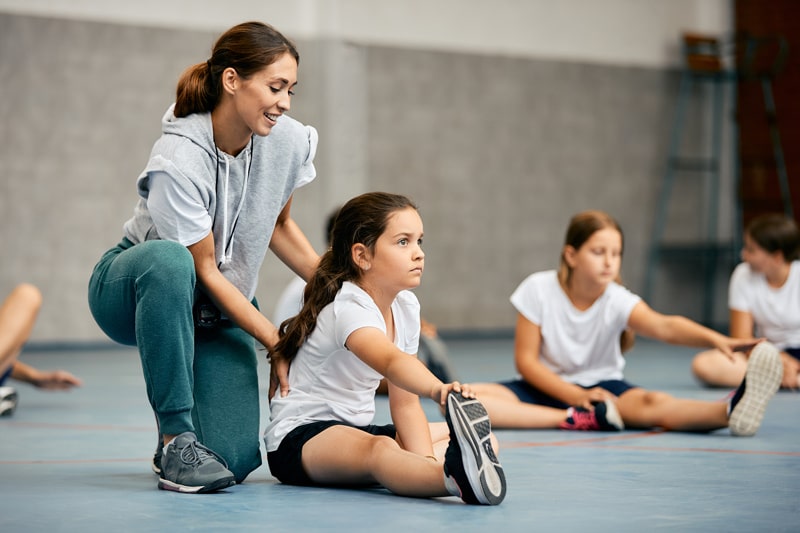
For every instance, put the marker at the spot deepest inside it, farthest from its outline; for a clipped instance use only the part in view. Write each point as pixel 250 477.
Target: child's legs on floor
pixel 641 408
pixel 343 455
pixel 507 411
pixel 713 368
pixel 17 317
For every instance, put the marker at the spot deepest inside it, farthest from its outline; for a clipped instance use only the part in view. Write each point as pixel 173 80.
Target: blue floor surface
pixel 79 461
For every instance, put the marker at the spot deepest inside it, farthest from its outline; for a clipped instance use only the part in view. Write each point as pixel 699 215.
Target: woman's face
pixel 266 95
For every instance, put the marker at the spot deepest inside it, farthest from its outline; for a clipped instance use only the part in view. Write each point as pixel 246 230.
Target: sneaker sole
pixel 8 401
pixel 222 483
pixel 763 378
pixel 613 417
pixel 472 427
pixel 155 464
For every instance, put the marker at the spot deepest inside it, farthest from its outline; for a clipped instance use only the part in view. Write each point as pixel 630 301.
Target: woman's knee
pixel 168 260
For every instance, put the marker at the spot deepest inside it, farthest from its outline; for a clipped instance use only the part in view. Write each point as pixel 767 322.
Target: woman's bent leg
pixel 143 294
pixel 226 401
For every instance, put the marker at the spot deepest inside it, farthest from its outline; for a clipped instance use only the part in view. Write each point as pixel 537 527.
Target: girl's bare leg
pixel 343 455
pixel 641 408
pixel 713 368
pixel 506 411
pixel 440 436
pixel 17 318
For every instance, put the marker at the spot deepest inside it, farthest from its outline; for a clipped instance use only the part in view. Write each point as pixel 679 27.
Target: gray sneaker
pixel 158 455
pixel 8 401
pixel 188 466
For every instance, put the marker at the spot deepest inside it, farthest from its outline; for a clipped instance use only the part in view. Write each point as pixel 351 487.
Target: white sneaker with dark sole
pixel 8 401
pixel 761 381
pixel 470 459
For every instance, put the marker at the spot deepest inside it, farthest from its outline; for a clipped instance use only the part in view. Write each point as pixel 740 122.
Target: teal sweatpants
pixel 198 379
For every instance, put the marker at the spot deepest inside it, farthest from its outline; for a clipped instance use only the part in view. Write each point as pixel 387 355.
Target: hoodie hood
pixel 239 198
pixel 197 128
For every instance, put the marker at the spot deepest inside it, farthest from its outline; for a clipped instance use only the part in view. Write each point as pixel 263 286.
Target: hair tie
pixel 208 64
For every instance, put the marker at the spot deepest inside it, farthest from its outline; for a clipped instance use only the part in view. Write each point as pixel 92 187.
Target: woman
pixel 215 194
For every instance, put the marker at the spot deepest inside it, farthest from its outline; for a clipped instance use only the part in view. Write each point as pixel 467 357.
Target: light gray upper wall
pixel 498 151
pixel 625 32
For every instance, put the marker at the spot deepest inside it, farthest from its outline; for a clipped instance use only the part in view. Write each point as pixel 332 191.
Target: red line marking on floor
pixel 72 461
pixel 599 442
pixel 608 438
pixel 98 427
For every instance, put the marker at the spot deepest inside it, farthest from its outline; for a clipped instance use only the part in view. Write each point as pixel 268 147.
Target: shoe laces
pixel 195 453
pixel 583 419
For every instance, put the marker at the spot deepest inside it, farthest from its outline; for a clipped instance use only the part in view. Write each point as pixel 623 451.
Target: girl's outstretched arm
pixel 372 346
pixel 675 329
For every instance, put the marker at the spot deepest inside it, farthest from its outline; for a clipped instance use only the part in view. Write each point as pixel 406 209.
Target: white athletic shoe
pixel 761 382
pixel 8 401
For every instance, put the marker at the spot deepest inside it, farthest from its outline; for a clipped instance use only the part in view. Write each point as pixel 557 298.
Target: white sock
pixel 451 486
pixel 169 443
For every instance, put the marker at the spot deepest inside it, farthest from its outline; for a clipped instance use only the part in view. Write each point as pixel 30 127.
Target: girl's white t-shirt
pixel 580 346
pixel 775 312
pixel 326 380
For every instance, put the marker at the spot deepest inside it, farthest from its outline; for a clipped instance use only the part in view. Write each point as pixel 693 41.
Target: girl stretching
pixel 358 324
pixel 763 295
pixel 568 337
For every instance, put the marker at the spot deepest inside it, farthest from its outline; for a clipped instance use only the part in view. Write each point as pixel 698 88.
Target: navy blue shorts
pixel 794 352
pixel 5 374
pixel 529 394
pixel 286 463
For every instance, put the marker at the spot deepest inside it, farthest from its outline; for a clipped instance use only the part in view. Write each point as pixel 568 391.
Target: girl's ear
pixel 230 80
pixel 569 255
pixel 361 256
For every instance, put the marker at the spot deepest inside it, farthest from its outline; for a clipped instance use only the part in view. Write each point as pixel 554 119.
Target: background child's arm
pixel 741 324
pixel 527 344
pixel 675 329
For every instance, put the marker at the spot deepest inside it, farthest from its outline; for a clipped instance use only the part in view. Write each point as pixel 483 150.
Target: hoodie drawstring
pixel 228 234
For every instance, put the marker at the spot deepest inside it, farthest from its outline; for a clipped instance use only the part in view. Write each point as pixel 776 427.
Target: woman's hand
pixel 278 376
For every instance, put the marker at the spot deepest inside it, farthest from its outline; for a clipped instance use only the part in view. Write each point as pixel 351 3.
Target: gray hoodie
pixel 242 196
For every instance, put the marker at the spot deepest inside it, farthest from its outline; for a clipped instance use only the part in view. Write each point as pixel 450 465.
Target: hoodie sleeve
pixel 178 212
pixel 307 171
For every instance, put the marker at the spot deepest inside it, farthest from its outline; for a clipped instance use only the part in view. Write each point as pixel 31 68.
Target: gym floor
pixel 79 461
